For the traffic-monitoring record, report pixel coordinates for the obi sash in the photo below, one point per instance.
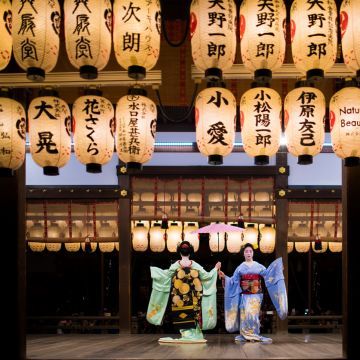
(251, 284)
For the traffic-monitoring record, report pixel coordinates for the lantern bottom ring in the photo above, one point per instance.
(133, 166)
(51, 170)
(136, 72)
(352, 161)
(93, 168)
(315, 74)
(263, 76)
(261, 160)
(35, 74)
(213, 74)
(88, 72)
(215, 160)
(6, 172)
(305, 159)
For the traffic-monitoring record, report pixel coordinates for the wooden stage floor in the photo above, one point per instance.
(146, 347)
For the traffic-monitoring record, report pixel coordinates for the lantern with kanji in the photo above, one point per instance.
(216, 242)
(313, 36)
(5, 33)
(137, 29)
(262, 36)
(304, 112)
(213, 36)
(345, 124)
(36, 29)
(93, 128)
(12, 135)
(215, 116)
(88, 27)
(135, 129)
(49, 133)
(260, 121)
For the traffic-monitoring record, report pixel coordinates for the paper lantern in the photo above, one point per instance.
(54, 231)
(193, 239)
(302, 230)
(36, 29)
(88, 27)
(302, 246)
(106, 247)
(267, 239)
(213, 36)
(140, 237)
(137, 29)
(37, 246)
(37, 231)
(49, 132)
(74, 232)
(53, 247)
(350, 33)
(250, 235)
(157, 238)
(106, 231)
(304, 113)
(215, 197)
(93, 127)
(313, 36)
(72, 246)
(290, 247)
(5, 33)
(321, 248)
(215, 117)
(260, 120)
(345, 125)
(135, 129)
(335, 246)
(12, 135)
(262, 36)
(234, 241)
(173, 237)
(217, 242)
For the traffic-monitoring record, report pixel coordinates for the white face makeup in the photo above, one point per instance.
(248, 254)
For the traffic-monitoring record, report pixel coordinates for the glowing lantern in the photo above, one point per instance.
(320, 248)
(94, 126)
(157, 238)
(49, 132)
(5, 32)
(193, 239)
(36, 231)
(215, 116)
(267, 239)
(88, 27)
(234, 241)
(106, 231)
(75, 233)
(137, 29)
(72, 246)
(335, 246)
(54, 232)
(53, 247)
(304, 109)
(213, 36)
(37, 246)
(313, 36)
(106, 246)
(217, 242)
(262, 36)
(36, 29)
(302, 230)
(12, 135)
(302, 246)
(140, 237)
(290, 247)
(345, 124)
(260, 120)
(135, 129)
(250, 235)
(173, 237)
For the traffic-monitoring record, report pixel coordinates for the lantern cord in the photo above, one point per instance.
(187, 25)
(188, 112)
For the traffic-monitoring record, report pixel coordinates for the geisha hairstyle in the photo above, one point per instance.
(185, 248)
(248, 245)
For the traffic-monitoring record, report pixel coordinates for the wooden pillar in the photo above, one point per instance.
(282, 217)
(351, 253)
(13, 265)
(124, 223)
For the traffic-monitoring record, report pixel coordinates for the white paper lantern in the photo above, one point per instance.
(157, 238)
(106, 247)
(193, 239)
(215, 120)
(313, 36)
(137, 29)
(53, 247)
(140, 237)
(302, 230)
(304, 110)
(72, 246)
(234, 241)
(37, 246)
(36, 29)
(135, 129)
(54, 231)
(260, 119)
(250, 235)
(173, 237)
(290, 247)
(324, 246)
(345, 124)
(267, 239)
(37, 231)
(5, 33)
(12, 135)
(213, 36)
(49, 132)
(217, 242)
(93, 127)
(302, 246)
(88, 27)
(335, 246)
(262, 36)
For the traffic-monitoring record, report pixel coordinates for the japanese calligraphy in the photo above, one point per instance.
(43, 108)
(262, 109)
(31, 3)
(82, 24)
(217, 131)
(27, 24)
(83, 48)
(216, 100)
(92, 110)
(130, 12)
(131, 41)
(216, 50)
(28, 49)
(46, 142)
(78, 2)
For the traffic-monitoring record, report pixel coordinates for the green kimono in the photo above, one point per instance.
(163, 282)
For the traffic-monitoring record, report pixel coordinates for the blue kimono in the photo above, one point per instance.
(242, 303)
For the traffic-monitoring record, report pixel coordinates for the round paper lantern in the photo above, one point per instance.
(234, 241)
(12, 135)
(140, 237)
(262, 36)
(135, 129)
(90, 246)
(36, 231)
(302, 246)
(54, 231)
(215, 117)
(304, 113)
(313, 36)
(5, 32)
(267, 239)
(217, 242)
(335, 246)
(88, 27)
(350, 32)
(106, 231)
(37, 246)
(93, 127)
(173, 237)
(290, 247)
(302, 230)
(260, 120)
(157, 238)
(250, 235)
(36, 29)
(76, 232)
(72, 246)
(345, 125)
(137, 28)
(53, 247)
(193, 239)
(106, 247)
(49, 132)
(213, 36)
(321, 248)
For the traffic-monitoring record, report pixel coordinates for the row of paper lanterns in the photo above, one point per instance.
(304, 246)
(137, 27)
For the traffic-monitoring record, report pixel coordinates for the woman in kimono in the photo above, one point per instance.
(243, 295)
(193, 297)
